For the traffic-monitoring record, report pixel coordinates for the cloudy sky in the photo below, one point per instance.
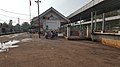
(14, 9)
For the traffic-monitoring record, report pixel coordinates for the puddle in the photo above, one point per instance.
(8, 44)
(5, 36)
(14, 36)
(26, 39)
(5, 46)
(14, 46)
(2, 51)
(11, 36)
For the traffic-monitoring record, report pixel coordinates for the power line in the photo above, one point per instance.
(8, 16)
(14, 12)
(12, 17)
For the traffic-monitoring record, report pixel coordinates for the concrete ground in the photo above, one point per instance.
(35, 52)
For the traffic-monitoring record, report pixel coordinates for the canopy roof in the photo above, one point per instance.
(100, 6)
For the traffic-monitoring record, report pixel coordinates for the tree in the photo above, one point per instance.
(25, 27)
(10, 25)
(17, 28)
(4, 27)
(0, 25)
(0, 28)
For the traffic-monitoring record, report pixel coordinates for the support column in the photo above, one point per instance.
(95, 21)
(80, 24)
(92, 18)
(68, 31)
(103, 23)
(87, 31)
(80, 33)
(91, 22)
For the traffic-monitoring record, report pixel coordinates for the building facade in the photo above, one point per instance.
(51, 19)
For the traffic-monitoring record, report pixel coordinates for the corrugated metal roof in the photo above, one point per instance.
(101, 6)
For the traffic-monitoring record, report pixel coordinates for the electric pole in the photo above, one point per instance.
(19, 24)
(38, 17)
(30, 29)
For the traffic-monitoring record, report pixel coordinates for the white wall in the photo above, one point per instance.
(54, 21)
(52, 25)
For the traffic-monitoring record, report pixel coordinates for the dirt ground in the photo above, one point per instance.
(58, 53)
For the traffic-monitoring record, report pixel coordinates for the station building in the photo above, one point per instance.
(51, 19)
(99, 20)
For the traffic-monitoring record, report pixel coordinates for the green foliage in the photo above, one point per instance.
(4, 30)
(5, 25)
(17, 28)
(25, 27)
(0, 25)
(10, 23)
(10, 26)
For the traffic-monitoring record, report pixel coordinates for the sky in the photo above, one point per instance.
(14, 9)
